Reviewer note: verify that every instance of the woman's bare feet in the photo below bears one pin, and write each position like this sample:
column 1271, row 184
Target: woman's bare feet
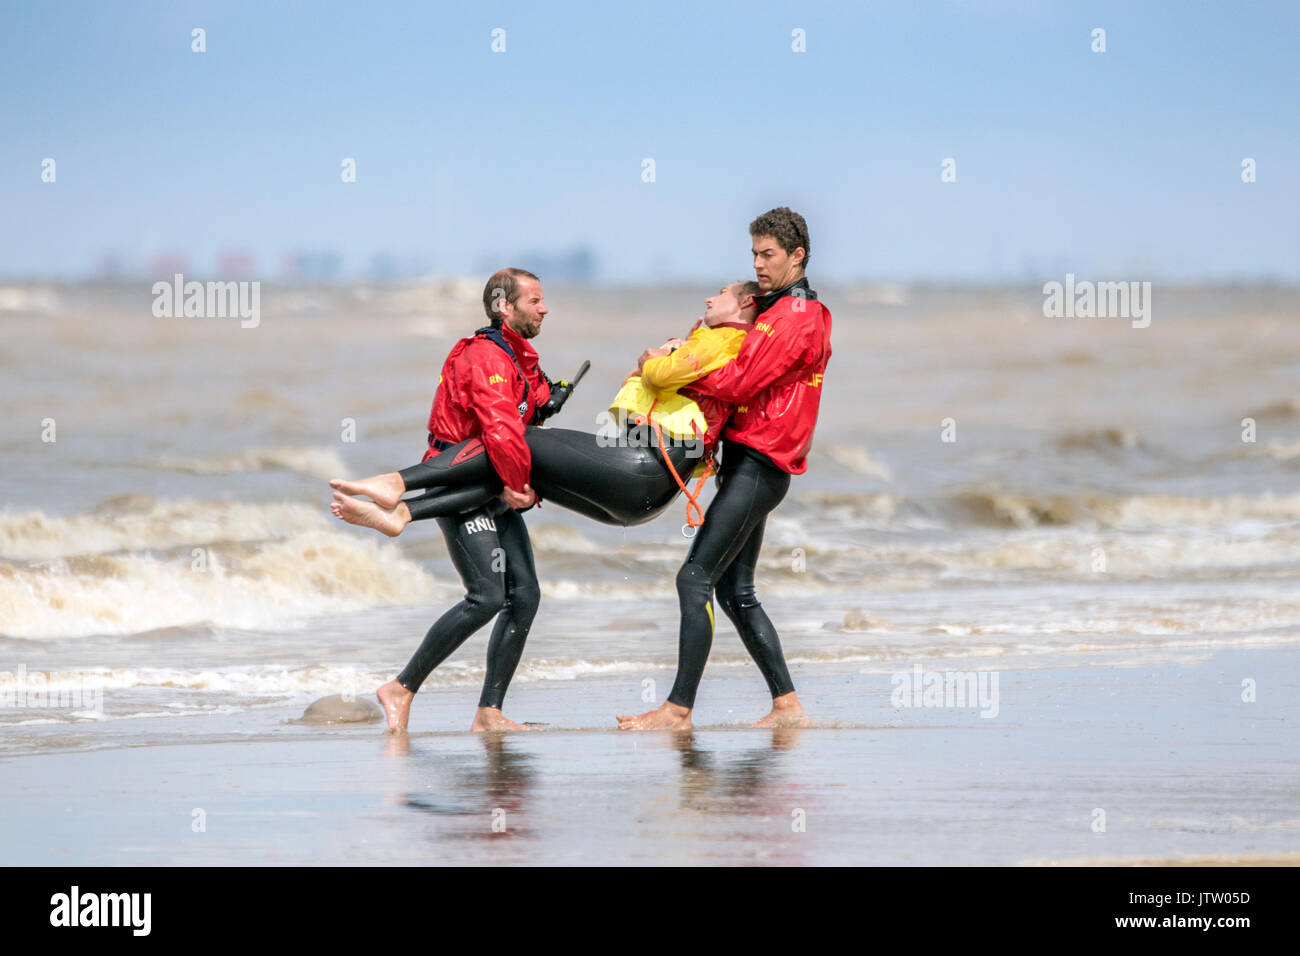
column 488, row 719
column 666, row 716
column 384, row 490
column 368, row 514
column 396, row 701
column 786, row 712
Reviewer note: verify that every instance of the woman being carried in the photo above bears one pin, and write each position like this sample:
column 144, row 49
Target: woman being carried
column 626, row 474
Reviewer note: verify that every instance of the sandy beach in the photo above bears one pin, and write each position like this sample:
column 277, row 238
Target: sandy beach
column 1183, row 769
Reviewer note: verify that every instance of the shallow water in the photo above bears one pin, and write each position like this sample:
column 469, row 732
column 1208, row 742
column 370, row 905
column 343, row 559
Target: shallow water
column 1155, row 758
column 172, row 552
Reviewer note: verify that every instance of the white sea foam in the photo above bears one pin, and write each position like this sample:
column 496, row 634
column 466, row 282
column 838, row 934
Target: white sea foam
column 317, row 462
column 140, row 523
column 274, row 585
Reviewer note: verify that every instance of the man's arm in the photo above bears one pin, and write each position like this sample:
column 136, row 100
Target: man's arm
column 490, row 394
column 694, row 359
column 766, row 355
column 540, row 383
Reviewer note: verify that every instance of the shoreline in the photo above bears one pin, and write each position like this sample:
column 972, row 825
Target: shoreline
column 1160, row 749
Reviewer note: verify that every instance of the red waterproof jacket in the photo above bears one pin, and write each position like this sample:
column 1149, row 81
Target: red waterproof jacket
column 481, row 394
column 776, row 380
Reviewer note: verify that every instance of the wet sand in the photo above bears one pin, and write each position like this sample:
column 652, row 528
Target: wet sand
column 1184, row 770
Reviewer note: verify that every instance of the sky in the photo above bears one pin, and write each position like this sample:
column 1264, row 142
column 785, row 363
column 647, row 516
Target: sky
column 1123, row 164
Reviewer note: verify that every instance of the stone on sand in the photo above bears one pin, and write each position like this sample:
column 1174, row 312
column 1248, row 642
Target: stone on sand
column 338, row 709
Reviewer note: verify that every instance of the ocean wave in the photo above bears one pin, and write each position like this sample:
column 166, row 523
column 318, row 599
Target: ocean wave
column 1127, row 512
column 1283, row 408
column 562, row 539
column 270, row 681
column 316, row 462
column 268, row 586
column 1277, row 450
column 139, row 522
column 858, row 460
column 1099, row 439
column 16, row 298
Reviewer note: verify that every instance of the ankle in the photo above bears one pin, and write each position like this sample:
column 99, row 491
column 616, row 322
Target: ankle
column 788, row 701
column 398, row 689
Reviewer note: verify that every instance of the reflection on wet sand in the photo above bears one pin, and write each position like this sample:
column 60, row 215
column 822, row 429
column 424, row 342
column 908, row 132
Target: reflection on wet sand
column 743, row 795
column 725, row 781
column 475, row 796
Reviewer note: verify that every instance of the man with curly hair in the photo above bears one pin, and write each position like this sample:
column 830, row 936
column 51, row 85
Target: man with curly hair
column 776, row 383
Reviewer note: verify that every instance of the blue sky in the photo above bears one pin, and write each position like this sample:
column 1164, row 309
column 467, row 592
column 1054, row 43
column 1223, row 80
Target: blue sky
column 1124, row 164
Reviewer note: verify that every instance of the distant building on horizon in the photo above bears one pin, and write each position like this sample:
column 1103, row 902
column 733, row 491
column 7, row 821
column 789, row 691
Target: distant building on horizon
column 235, row 264
column 312, row 266
column 168, row 263
column 579, row 264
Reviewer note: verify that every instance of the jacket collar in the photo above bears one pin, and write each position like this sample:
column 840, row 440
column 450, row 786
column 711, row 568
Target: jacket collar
column 517, row 342
column 766, row 300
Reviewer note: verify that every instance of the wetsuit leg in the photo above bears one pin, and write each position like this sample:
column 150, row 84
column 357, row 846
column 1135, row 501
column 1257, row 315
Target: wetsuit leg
column 738, row 600
column 750, row 490
column 627, row 482
column 472, row 543
column 515, row 619
column 466, row 463
column 619, row 484
column 448, row 502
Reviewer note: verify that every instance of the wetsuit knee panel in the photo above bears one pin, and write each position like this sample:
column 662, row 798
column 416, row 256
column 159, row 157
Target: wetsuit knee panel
column 737, row 598
column 525, row 598
column 488, row 592
column 693, row 580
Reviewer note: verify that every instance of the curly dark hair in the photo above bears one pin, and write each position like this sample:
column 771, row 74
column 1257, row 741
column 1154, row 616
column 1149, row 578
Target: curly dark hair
column 504, row 284
column 787, row 227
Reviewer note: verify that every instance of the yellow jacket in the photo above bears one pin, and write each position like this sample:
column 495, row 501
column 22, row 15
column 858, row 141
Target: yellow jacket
column 656, row 387
column 707, row 349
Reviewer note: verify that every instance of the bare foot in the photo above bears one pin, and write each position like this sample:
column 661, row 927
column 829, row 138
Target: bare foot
column 367, row 514
column 384, row 490
column 666, row 716
column 488, row 719
column 786, row 712
column 396, row 701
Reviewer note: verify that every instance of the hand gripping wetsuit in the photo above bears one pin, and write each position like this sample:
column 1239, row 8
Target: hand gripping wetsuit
column 490, row 387
column 776, row 384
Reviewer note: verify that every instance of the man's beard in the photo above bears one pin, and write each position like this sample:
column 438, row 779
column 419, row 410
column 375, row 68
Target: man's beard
column 524, row 328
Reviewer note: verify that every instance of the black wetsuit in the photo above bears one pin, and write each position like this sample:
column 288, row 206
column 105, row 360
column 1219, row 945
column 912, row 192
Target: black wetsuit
column 492, row 553
column 626, row 484
column 723, row 556
column 619, row 483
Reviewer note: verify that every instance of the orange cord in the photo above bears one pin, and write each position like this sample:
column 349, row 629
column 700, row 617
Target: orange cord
column 692, row 497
